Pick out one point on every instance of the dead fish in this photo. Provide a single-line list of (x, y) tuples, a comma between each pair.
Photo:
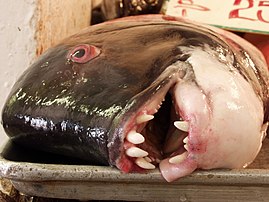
[(144, 92)]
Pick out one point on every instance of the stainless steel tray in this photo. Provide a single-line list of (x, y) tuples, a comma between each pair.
[(44, 175)]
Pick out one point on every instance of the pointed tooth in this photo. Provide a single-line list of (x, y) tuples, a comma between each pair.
[(144, 118), (178, 158), (186, 147), (264, 129), (148, 159), (135, 138), (186, 140), (182, 125), (136, 152), (141, 162)]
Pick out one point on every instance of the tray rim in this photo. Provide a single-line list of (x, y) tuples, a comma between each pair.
[(22, 171), (38, 172)]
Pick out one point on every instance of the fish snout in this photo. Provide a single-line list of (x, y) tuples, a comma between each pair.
[(49, 133)]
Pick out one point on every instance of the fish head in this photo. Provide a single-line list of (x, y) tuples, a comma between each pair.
[(140, 92), (73, 96)]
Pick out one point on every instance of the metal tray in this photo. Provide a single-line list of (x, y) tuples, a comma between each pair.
[(45, 175)]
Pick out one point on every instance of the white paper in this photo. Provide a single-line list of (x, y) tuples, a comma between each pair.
[(239, 15)]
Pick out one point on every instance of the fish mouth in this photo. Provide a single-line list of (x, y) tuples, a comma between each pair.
[(157, 134)]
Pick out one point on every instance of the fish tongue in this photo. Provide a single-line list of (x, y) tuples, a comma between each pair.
[(174, 141), (174, 138)]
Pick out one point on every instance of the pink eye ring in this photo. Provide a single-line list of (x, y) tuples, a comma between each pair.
[(83, 53)]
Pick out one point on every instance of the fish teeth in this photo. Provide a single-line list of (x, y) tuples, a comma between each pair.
[(141, 162), (178, 158), (186, 147), (186, 140), (136, 152), (135, 138), (264, 129), (182, 125), (148, 159), (144, 118)]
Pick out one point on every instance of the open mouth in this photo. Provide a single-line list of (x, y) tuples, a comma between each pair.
[(158, 134)]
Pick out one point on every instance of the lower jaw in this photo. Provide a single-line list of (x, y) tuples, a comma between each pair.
[(156, 156), (182, 165), (171, 172)]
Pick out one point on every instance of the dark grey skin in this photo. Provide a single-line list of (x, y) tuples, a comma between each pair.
[(76, 108)]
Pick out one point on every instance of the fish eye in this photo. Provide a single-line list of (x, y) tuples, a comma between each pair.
[(83, 53), (79, 53)]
